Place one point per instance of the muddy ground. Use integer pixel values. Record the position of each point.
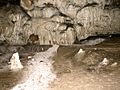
(75, 71)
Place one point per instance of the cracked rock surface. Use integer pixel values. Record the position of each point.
(58, 21)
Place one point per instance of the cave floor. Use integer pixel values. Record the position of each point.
(73, 72)
(78, 75)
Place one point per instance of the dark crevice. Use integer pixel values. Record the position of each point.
(24, 11)
(91, 5)
(104, 36)
(112, 4)
(115, 3)
(62, 14)
(88, 5)
(12, 2)
(79, 24)
(76, 41)
(69, 25)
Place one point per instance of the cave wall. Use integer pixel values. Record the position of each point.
(58, 21)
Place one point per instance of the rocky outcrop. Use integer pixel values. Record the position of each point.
(58, 21)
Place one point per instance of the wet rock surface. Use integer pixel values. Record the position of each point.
(58, 21)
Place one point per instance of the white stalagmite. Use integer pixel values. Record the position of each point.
(39, 72)
(80, 55)
(81, 51)
(15, 62)
(105, 62)
(102, 65)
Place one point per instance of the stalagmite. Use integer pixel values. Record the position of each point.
(15, 62)
(105, 62)
(80, 55)
(39, 72)
(80, 51)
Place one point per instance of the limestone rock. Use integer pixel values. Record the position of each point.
(58, 21)
(15, 62)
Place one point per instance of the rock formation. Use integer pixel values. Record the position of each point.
(58, 21)
(15, 62)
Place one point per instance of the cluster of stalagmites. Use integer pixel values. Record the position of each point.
(95, 61)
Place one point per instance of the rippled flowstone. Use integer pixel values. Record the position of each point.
(58, 21)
